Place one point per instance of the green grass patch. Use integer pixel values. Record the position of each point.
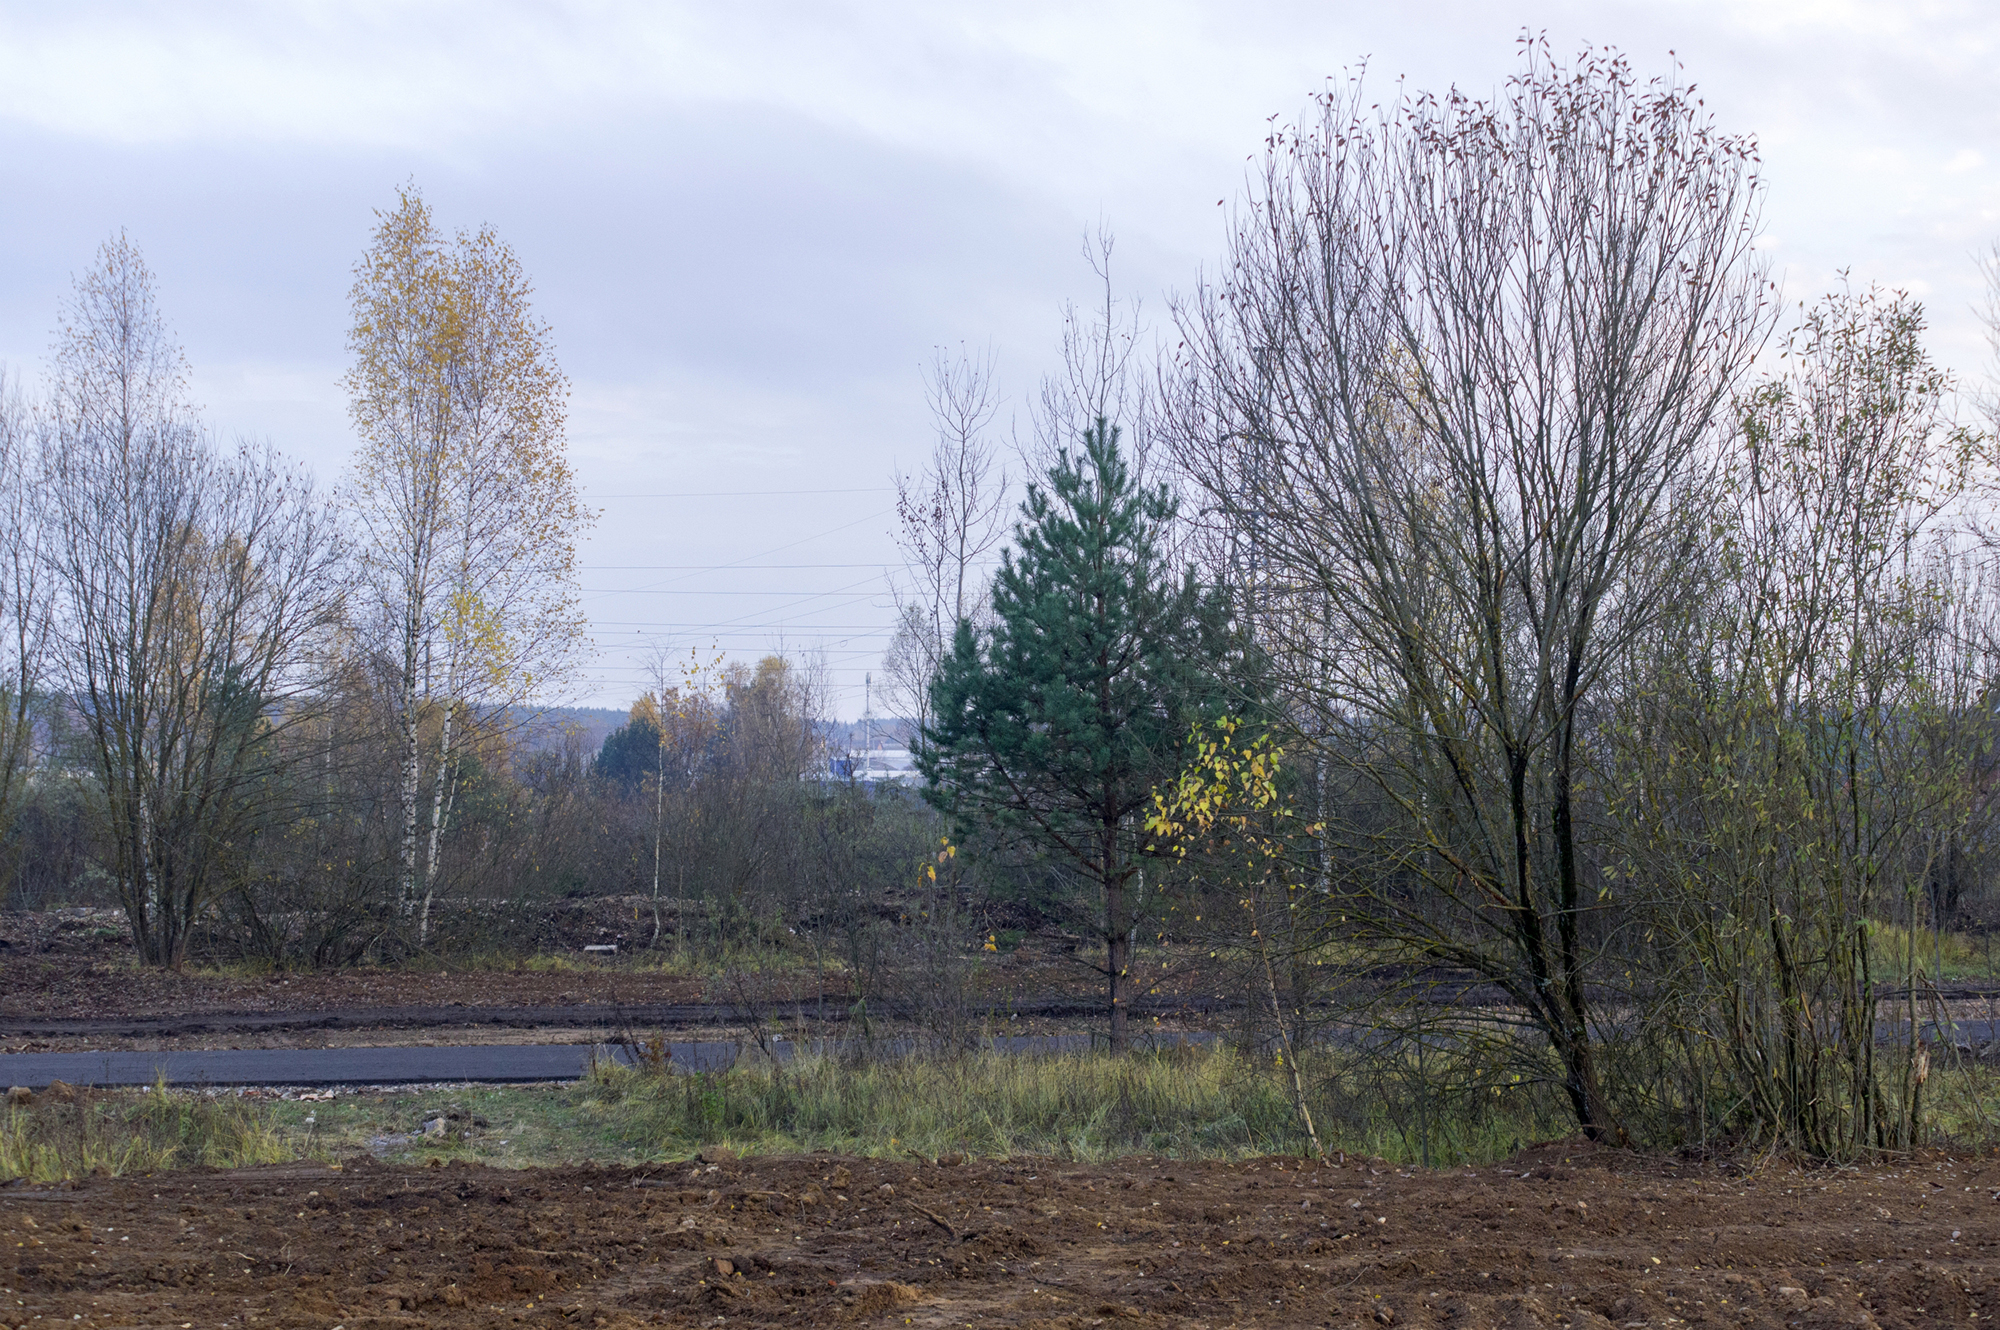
(1187, 1103)
(1939, 957)
(134, 1132)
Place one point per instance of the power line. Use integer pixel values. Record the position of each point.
(883, 564)
(846, 629)
(778, 549)
(743, 494)
(842, 649)
(807, 599)
(828, 667)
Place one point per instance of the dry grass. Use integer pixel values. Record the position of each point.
(113, 1133)
(1189, 1104)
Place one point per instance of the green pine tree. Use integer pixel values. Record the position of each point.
(1055, 726)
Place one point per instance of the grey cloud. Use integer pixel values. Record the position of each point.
(748, 225)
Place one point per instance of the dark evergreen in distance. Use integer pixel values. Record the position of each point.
(1055, 727)
(631, 754)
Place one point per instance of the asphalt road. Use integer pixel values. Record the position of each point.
(608, 1017)
(407, 1065)
(302, 1066)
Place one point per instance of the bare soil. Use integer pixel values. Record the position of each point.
(79, 966)
(68, 982)
(1561, 1236)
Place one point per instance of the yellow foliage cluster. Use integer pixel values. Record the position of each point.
(1226, 798)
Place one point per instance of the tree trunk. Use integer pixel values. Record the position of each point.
(1299, 1104)
(438, 808)
(1117, 937)
(1119, 961)
(1597, 1120)
(412, 764)
(659, 821)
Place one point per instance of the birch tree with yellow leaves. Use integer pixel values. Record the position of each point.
(469, 513)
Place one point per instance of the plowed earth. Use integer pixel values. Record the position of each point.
(68, 983)
(1557, 1237)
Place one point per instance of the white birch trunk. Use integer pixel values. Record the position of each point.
(439, 807)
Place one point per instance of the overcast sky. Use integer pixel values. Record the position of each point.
(750, 223)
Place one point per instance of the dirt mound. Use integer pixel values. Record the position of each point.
(1558, 1237)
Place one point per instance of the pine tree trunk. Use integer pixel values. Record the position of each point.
(1117, 937)
(1119, 962)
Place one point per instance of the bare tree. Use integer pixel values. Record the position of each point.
(1460, 380)
(24, 595)
(949, 517)
(1098, 378)
(465, 495)
(195, 589)
(1802, 743)
(684, 713)
(952, 515)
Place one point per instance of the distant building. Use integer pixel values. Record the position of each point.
(867, 758)
(879, 766)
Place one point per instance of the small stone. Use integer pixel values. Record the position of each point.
(721, 1267)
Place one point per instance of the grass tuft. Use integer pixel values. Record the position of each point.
(1940, 957)
(1184, 1103)
(117, 1133)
